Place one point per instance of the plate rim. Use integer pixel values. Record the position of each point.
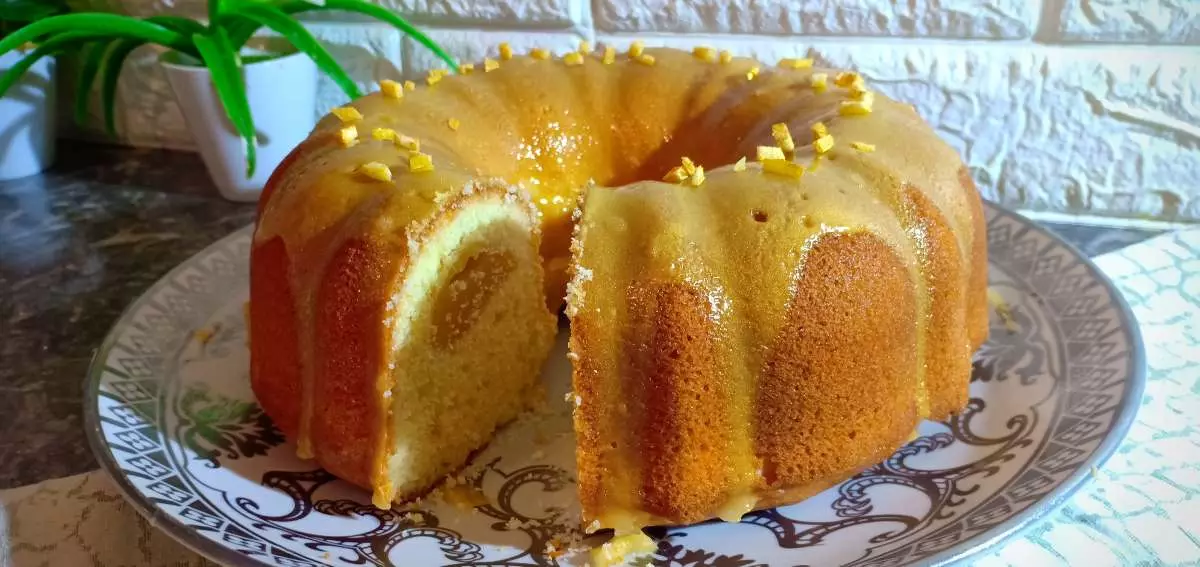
(991, 538)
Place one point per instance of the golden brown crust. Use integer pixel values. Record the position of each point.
(838, 390)
(675, 387)
(947, 361)
(977, 305)
(274, 337)
(349, 414)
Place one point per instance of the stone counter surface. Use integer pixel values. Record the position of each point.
(81, 242)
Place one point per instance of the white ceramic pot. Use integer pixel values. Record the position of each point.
(282, 93)
(27, 125)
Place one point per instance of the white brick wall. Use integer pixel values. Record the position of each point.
(1069, 106)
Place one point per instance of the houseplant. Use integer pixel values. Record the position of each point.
(27, 125)
(208, 63)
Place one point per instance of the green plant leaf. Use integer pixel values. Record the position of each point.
(111, 26)
(54, 45)
(243, 32)
(111, 77)
(225, 67)
(92, 60)
(182, 25)
(299, 37)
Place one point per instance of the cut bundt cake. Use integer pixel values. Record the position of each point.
(774, 275)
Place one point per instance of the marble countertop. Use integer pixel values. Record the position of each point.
(83, 240)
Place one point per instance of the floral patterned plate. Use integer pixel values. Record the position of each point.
(172, 418)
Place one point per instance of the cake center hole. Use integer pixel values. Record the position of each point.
(760, 216)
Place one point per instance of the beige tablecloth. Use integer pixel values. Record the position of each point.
(1141, 508)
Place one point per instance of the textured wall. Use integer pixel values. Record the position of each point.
(1077, 106)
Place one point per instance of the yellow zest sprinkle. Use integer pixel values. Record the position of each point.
(610, 55)
(753, 72)
(697, 178)
(435, 75)
(585, 47)
(506, 51)
(858, 91)
(453, 123)
(419, 162)
(490, 65)
(705, 53)
(636, 48)
(769, 152)
(726, 56)
(466, 68)
(348, 136)
(846, 78)
(384, 134)
(573, 58)
(376, 171)
(676, 174)
(391, 89)
(857, 107)
(539, 53)
(689, 166)
(790, 63)
(823, 144)
(863, 146)
(347, 114)
(410, 86)
(819, 81)
(740, 164)
(783, 138)
(409, 143)
(646, 59)
(783, 167)
(819, 130)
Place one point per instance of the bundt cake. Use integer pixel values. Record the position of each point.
(805, 284)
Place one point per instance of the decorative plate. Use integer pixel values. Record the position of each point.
(171, 417)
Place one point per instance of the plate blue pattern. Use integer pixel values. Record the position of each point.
(171, 417)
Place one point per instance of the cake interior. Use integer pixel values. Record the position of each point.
(466, 352)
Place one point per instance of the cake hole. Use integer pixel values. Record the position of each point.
(852, 435)
(760, 216)
(808, 222)
(804, 196)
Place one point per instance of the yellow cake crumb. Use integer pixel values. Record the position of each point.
(740, 164)
(697, 177)
(796, 63)
(818, 130)
(539, 53)
(391, 89)
(646, 59)
(863, 146)
(705, 53)
(348, 136)
(857, 107)
(783, 138)
(675, 174)
(490, 65)
(506, 51)
(819, 81)
(846, 78)
(376, 171)
(585, 47)
(769, 152)
(726, 56)
(753, 72)
(384, 134)
(453, 123)
(783, 167)
(689, 166)
(823, 144)
(615, 551)
(347, 114)
(419, 162)
(573, 58)
(409, 143)
(610, 55)
(636, 48)
(434, 76)
(410, 86)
